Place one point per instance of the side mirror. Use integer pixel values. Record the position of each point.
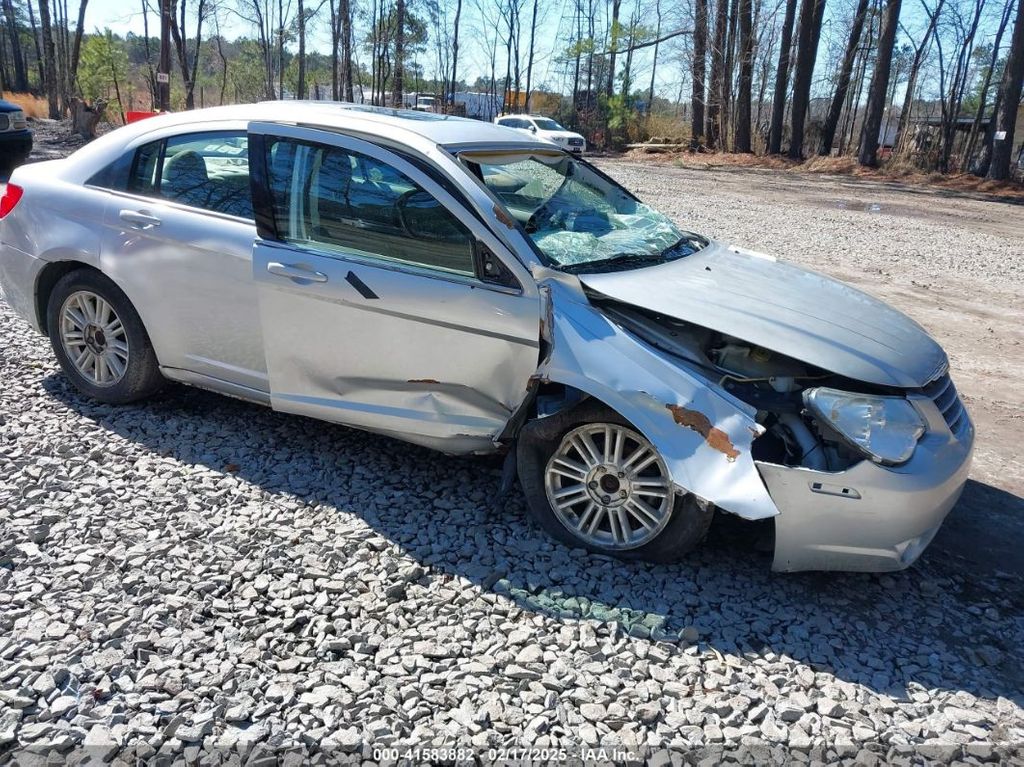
(533, 128)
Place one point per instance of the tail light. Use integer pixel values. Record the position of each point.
(12, 194)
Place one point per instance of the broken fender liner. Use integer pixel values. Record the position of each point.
(703, 434)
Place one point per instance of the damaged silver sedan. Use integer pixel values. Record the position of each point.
(461, 286)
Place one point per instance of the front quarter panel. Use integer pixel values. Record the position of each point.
(704, 436)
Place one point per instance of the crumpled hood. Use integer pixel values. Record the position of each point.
(789, 310)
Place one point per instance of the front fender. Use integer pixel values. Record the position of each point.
(704, 435)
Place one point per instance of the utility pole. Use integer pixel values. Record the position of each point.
(163, 75)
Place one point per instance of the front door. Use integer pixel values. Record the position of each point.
(374, 306)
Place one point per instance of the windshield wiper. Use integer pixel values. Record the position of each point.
(614, 263)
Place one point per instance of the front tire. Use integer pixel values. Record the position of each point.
(99, 339)
(593, 481)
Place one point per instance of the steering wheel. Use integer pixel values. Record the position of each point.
(400, 206)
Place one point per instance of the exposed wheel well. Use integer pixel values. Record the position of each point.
(45, 282)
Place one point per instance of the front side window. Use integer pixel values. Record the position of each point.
(578, 218)
(351, 203)
(202, 170)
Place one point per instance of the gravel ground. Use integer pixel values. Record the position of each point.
(198, 574)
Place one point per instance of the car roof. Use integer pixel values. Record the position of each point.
(446, 130)
(417, 130)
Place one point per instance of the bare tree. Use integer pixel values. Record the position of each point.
(811, 14)
(828, 131)
(50, 83)
(455, 52)
(188, 64)
(782, 80)
(399, 71)
(713, 118)
(699, 68)
(915, 68)
(20, 75)
(868, 152)
(986, 82)
(1009, 96)
(741, 138)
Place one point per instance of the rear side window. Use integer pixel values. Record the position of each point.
(347, 202)
(209, 171)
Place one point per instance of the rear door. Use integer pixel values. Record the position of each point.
(375, 308)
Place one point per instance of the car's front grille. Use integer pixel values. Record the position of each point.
(575, 142)
(944, 394)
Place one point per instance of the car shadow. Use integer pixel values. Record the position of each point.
(950, 622)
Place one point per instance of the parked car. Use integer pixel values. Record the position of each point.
(445, 282)
(15, 137)
(545, 129)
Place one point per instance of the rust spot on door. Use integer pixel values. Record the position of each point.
(698, 422)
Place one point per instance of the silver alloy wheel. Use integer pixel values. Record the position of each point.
(94, 338)
(609, 487)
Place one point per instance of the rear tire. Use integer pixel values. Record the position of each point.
(604, 503)
(99, 339)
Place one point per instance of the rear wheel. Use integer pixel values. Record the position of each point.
(593, 481)
(99, 340)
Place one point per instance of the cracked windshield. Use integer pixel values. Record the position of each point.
(579, 219)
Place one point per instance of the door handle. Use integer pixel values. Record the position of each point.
(295, 272)
(139, 219)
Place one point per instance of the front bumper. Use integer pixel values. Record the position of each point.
(869, 518)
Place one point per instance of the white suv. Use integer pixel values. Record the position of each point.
(545, 128)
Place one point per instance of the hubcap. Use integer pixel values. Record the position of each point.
(94, 338)
(609, 486)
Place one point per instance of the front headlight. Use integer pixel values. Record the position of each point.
(885, 429)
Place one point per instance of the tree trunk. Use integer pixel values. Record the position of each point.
(529, 59)
(345, 13)
(741, 139)
(782, 81)
(700, 54)
(49, 60)
(85, 118)
(811, 13)
(835, 110)
(654, 59)
(35, 43)
(986, 82)
(455, 54)
(1009, 96)
(20, 75)
(609, 87)
(868, 153)
(301, 84)
(399, 75)
(713, 130)
(76, 47)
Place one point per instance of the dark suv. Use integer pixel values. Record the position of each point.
(15, 137)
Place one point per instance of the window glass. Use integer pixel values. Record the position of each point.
(578, 218)
(143, 177)
(352, 203)
(206, 170)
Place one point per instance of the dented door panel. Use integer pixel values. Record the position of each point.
(443, 363)
(704, 436)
